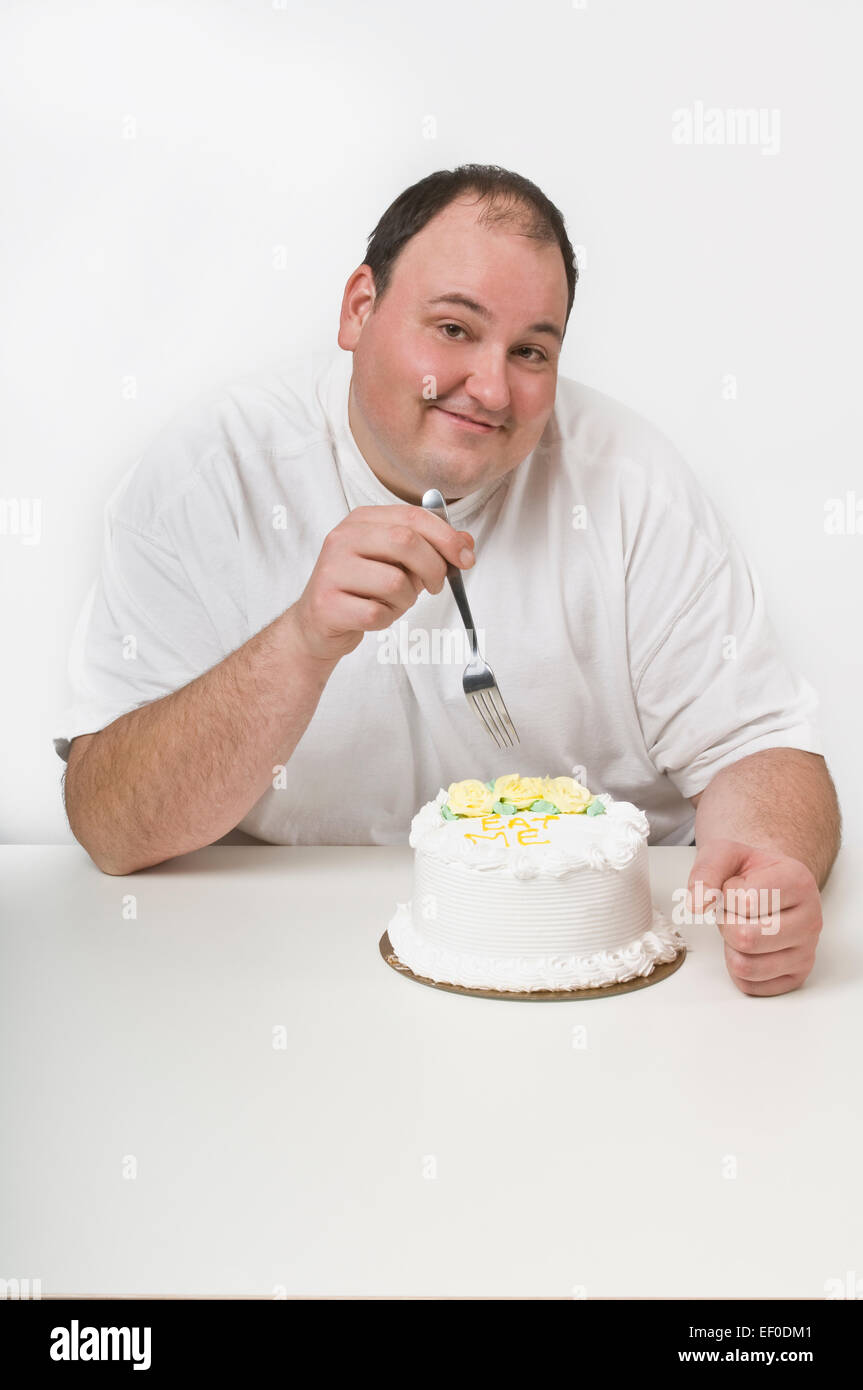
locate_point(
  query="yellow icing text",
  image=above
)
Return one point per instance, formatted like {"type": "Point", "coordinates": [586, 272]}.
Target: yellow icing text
{"type": "Point", "coordinates": [499, 836]}
{"type": "Point", "coordinates": [523, 840]}
{"type": "Point", "coordinates": [524, 829]}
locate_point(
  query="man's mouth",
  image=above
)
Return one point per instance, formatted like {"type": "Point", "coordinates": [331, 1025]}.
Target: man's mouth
{"type": "Point", "coordinates": [466, 422]}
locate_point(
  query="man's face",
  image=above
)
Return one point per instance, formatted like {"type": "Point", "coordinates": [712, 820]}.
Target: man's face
{"type": "Point", "coordinates": [417, 364]}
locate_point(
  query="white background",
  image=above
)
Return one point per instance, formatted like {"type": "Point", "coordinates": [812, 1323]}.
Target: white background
{"type": "Point", "coordinates": [267, 141]}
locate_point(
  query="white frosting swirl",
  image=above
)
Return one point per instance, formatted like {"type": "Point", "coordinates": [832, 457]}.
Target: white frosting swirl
{"type": "Point", "coordinates": [524, 974]}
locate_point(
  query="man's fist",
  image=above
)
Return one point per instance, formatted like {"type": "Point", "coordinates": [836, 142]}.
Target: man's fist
{"type": "Point", "coordinates": [769, 913]}
{"type": "Point", "coordinates": [371, 569]}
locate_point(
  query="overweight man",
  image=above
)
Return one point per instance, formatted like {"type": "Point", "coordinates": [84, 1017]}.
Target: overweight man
{"type": "Point", "coordinates": [259, 650]}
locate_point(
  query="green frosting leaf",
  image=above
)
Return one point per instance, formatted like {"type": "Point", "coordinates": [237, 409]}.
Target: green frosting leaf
{"type": "Point", "coordinates": [447, 813]}
{"type": "Point", "coordinates": [490, 786]}
{"type": "Point", "coordinates": [505, 808]}
{"type": "Point", "coordinates": [595, 808]}
{"type": "Point", "coordinates": [545, 806]}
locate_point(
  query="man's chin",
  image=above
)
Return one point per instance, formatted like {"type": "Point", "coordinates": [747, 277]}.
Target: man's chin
{"type": "Point", "coordinates": [454, 488]}
{"type": "Point", "coordinates": [454, 480]}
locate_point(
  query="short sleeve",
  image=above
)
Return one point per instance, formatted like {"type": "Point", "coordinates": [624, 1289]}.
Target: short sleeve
{"type": "Point", "coordinates": [143, 632]}
{"type": "Point", "coordinates": [714, 685]}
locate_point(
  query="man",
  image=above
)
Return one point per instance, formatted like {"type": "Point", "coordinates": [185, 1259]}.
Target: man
{"type": "Point", "coordinates": [233, 666]}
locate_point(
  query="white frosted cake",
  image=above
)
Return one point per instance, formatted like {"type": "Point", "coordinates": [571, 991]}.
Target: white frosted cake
{"type": "Point", "coordinates": [530, 883]}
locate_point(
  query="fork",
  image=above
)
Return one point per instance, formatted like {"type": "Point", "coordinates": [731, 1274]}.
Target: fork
{"type": "Point", "coordinates": [480, 687]}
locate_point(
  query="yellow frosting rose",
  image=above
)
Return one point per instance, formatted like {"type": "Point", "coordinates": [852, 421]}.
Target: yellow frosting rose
{"type": "Point", "coordinates": [520, 791]}
{"type": "Point", "coordinates": [568, 795]}
{"type": "Point", "coordinates": [470, 798]}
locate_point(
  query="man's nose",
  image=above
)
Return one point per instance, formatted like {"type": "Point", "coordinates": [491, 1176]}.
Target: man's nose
{"type": "Point", "coordinates": [487, 385]}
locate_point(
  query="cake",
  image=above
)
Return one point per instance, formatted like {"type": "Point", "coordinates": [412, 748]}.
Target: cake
{"type": "Point", "coordinates": [530, 883]}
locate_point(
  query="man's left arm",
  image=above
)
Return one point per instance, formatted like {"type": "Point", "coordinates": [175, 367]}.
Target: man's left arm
{"type": "Point", "coordinates": [769, 822]}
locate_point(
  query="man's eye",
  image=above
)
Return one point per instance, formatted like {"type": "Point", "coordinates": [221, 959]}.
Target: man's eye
{"type": "Point", "coordinates": [540, 356]}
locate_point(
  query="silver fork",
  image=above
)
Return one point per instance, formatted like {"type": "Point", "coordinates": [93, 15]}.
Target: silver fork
{"type": "Point", "coordinates": [480, 686]}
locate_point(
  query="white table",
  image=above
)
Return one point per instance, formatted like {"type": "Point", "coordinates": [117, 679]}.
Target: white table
{"type": "Point", "coordinates": [404, 1140]}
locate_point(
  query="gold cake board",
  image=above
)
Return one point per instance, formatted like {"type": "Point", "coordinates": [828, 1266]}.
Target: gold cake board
{"type": "Point", "coordinates": [540, 996]}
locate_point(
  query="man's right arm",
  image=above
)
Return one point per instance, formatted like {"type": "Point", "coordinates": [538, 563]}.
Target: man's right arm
{"type": "Point", "coordinates": [181, 772]}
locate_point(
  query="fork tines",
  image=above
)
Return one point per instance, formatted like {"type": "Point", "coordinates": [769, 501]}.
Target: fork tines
{"type": "Point", "coordinates": [489, 706]}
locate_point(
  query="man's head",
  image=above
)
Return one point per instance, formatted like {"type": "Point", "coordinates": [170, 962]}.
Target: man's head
{"type": "Point", "coordinates": [489, 237]}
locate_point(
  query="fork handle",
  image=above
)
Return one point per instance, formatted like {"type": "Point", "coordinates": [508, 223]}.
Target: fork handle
{"type": "Point", "coordinates": [433, 502]}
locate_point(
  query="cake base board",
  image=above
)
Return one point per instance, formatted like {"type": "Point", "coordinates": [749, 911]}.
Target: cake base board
{"type": "Point", "coordinates": [540, 996]}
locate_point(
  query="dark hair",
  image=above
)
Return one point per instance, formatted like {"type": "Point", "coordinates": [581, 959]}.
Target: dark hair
{"type": "Point", "coordinates": [510, 200]}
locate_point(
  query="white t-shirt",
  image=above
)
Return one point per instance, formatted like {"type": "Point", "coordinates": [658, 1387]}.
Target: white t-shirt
{"type": "Point", "coordinates": [627, 633]}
